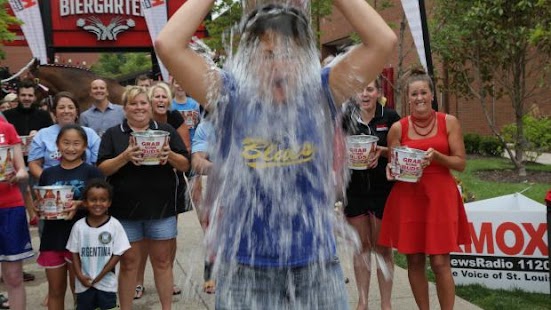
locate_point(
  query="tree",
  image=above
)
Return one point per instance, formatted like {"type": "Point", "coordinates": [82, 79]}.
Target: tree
{"type": "Point", "coordinates": [490, 51]}
{"type": "Point", "coordinates": [114, 65]}
{"type": "Point", "coordinates": [223, 26]}
{"type": "Point", "coordinates": [5, 21]}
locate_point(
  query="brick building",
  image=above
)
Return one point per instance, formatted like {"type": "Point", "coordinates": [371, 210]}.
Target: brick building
{"type": "Point", "coordinates": [335, 35]}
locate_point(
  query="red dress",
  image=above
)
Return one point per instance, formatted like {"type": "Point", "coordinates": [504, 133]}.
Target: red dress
{"type": "Point", "coordinates": [427, 216]}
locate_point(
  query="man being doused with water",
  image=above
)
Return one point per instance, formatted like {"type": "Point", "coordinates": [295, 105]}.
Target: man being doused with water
{"type": "Point", "coordinates": [271, 187]}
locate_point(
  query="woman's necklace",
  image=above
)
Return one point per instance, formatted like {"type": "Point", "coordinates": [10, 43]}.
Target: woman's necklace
{"type": "Point", "coordinates": [417, 124]}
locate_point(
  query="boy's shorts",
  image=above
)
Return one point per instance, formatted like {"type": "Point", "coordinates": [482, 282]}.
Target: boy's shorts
{"type": "Point", "coordinates": [54, 259]}
{"type": "Point", "coordinates": [15, 240]}
{"type": "Point", "coordinates": [93, 298]}
{"type": "Point", "coordinates": [161, 229]}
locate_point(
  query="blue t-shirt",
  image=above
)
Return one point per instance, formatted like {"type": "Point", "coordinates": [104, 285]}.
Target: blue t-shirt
{"type": "Point", "coordinates": [44, 146]}
{"type": "Point", "coordinates": [203, 134]}
{"type": "Point", "coordinates": [190, 112]}
{"type": "Point", "coordinates": [272, 185]}
{"type": "Point", "coordinates": [56, 232]}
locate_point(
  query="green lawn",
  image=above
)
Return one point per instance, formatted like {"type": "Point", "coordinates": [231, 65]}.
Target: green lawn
{"type": "Point", "coordinates": [485, 190]}
{"type": "Point", "coordinates": [483, 297]}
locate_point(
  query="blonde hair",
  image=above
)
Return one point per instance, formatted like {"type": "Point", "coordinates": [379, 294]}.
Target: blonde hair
{"type": "Point", "coordinates": [164, 86]}
{"type": "Point", "coordinates": [10, 97]}
{"type": "Point", "coordinates": [132, 92]}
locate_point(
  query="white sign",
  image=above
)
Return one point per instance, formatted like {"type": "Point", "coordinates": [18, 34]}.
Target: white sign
{"type": "Point", "coordinates": [509, 249]}
{"type": "Point", "coordinates": [28, 12]}
{"type": "Point", "coordinates": [155, 13]}
{"type": "Point", "coordinates": [413, 15]}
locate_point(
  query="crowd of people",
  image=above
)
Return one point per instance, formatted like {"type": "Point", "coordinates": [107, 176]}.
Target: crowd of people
{"type": "Point", "coordinates": [266, 208]}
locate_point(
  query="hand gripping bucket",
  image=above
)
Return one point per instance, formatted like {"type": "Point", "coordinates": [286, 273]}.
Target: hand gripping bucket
{"type": "Point", "coordinates": [360, 149]}
{"type": "Point", "coordinates": [406, 164]}
{"type": "Point", "coordinates": [53, 200]}
{"type": "Point", "coordinates": [151, 143]}
{"type": "Point", "coordinates": [6, 162]}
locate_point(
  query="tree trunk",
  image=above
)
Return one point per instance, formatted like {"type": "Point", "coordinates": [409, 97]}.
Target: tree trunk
{"type": "Point", "coordinates": [517, 92]}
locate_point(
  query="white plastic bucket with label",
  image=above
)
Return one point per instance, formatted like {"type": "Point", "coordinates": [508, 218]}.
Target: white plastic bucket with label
{"type": "Point", "coordinates": [360, 149]}
{"type": "Point", "coordinates": [151, 143]}
{"type": "Point", "coordinates": [406, 164]}
{"type": "Point", "coordinates": [53, 201]}
{"type": "Point", "coordinates": [6, 162]}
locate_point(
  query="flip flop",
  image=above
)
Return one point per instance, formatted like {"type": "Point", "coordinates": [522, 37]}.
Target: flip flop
{"type": "Point", "coordinates": [140, 290]}
{"type": "Point", "coordinates": [176, 290]}
{"type": "Point", "coordinates": [209, 286]}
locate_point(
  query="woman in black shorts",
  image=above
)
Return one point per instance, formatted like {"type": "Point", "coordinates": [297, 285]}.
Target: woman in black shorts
{"type": "Point", "coordinates": [368, 190]}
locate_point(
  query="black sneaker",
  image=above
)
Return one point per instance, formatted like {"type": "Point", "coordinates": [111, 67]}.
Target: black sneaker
{"type": "Point", "coordinates": [28, 277]}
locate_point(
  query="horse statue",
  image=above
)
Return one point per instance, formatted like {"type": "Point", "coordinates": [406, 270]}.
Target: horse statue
{"type": "Point", "coordinates": [55, 78]}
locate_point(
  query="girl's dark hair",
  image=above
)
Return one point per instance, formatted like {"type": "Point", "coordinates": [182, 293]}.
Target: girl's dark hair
{"type": "Point", "coordinates": [76, 127]}
{"type": "Point", "coordinates": [80, 131]}
{"type": "Point", "coordinates": [285, 20]}
{"type": "Point", "coordinates": [68, 95]}
{"type": "Point", "coordinates": [415, 75]}
{"type": "Point", "coordinates": [98, 183]}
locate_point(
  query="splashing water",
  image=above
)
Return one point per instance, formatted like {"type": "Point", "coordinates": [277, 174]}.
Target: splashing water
{"type": "Point", "coordinates": [272, 188]}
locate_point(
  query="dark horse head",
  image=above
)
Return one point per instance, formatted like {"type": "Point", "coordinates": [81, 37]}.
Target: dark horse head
{"type": "Point", "coordinates": [53, 78]}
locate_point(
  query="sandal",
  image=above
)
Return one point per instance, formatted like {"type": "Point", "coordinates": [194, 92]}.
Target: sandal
{"type": "Point", "coordinates": [4, 304]}
{"type": "Point", "coordinates": [140, 290]}
{"type": "Point", "coordinates": [209, 287]}
{"type": "Point", "coordinates": [176, 290]}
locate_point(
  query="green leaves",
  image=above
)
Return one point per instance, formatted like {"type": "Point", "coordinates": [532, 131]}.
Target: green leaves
{"type": "Point", "coordinates": [5, 21]}
{"type": "Point", "coordinates": [114, 65]}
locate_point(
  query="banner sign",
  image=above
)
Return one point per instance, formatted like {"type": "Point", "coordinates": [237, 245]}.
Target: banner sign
{"type": "Point", "coordinates": [155, 13]}
{"type": "Point", "coordinates": [107, 23]}
{"type": "Point", "coordinates": [28, 12]}
{"type": "Point", "coordinates": [509, 249]}
{"type": "Point", "coordinates": [413, 15]}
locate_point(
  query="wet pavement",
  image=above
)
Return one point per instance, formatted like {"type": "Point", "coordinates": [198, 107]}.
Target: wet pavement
{"type": "Point", "coordinates": [188, 274]}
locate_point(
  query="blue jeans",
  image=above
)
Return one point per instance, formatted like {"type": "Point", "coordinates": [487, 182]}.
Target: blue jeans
{"type": "Point", "coordinates": [159, 229]}
{"type": "Point", "coordinates": [315, 286]}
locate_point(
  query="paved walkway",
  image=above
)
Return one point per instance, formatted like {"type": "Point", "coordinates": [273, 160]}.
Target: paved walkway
{"type": "Point", "coordinates": [188, 271]}
{"type": "Point", "coordinates": [544, 159]}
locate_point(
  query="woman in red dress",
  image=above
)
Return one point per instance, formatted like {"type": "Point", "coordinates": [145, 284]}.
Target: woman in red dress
{"type": "Point", "coordinates": [427, 217]}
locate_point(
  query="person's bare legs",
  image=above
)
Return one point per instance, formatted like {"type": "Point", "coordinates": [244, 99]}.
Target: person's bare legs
{"type": "Point", "coordinates": [418, 279]}
{"type": "Point", "coordinates": [12, 273]}
{"type": "Point", "coordinates": [57, 286]}
{"type": "Point", "coordinates": [29, 205]}
{"type": "Point", "coordinates": [362, 260]}
{"type": "Point", "coordinates": [385, 284]}
{"type": "Point", "coordinates": [445, 286]}
{"type": "Point", "coordinates": [141, 268]}
{"type": "Point", "coordinates": [129, 264]}
{"type": "Point", "coordinates": [160, 254]}
{"type": "Point", "coordinates": [72, 279]}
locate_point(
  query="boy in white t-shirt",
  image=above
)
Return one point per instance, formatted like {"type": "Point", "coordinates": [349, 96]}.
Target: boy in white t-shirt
{"type": "Point", "coordinates": [97, 243]}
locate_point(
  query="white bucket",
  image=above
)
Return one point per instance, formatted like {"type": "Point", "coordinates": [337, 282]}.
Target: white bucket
{"type": "Point", "coordinates": [53, 200]}
{"type": "Point", "coordinates": [360, 149]}
{"type": "Point", "coordinates": [25, 144]}
{"type": "Point", "coordinates": [406, 164]}
{"type": "Point", "coordinates": [6, 162]}
{"type": "Point", "coordinates": [151, 143]}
